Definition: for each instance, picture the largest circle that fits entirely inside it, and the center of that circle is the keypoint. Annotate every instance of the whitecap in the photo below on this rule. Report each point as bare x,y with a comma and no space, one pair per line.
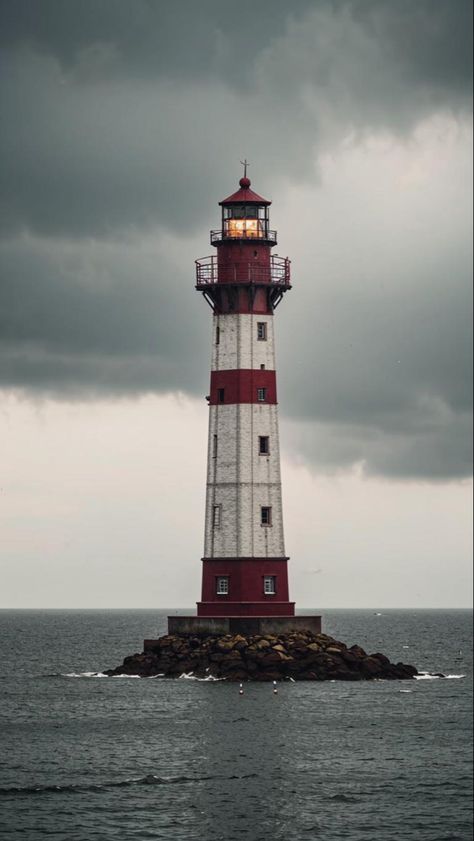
428,676
192,676
126,676
83,674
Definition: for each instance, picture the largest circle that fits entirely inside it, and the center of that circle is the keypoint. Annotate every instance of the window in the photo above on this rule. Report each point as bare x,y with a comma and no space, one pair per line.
263,445
262,331
218,334
269,585
261,395
262,367
222,585
265,515
216,516
221,395
214,446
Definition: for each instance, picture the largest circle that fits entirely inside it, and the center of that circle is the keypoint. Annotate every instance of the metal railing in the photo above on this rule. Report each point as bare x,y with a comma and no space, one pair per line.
219,235
276,272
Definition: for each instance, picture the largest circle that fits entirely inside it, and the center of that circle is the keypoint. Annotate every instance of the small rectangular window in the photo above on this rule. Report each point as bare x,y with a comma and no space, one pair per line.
218,334
222,585
220,395
261,395
216,516
263,445
262,331
269,585
214,446
265,515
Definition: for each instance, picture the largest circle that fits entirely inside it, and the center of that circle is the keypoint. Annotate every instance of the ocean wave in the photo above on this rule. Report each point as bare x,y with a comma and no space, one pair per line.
429,676
148,780
192,676
81,674
101,674
184,676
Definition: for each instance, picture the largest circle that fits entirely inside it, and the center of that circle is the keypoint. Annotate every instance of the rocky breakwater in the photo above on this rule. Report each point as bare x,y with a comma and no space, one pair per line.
297,656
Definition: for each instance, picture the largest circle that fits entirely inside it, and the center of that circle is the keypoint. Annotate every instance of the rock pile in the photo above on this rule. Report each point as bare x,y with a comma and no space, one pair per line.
300,656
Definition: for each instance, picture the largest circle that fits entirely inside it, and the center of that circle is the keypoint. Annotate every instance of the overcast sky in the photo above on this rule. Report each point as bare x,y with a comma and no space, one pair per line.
123,124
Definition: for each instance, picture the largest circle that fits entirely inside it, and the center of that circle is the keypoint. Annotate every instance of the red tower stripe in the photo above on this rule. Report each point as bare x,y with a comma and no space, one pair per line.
243,386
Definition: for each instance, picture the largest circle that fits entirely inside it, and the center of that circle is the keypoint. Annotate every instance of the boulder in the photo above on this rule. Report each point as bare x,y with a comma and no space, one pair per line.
358,651
332,649
225,645
371,667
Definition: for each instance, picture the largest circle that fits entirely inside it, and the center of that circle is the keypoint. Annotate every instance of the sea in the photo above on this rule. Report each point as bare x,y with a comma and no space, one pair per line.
84,756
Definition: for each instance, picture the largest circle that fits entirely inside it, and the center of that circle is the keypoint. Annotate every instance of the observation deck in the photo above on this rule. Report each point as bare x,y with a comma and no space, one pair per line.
276,273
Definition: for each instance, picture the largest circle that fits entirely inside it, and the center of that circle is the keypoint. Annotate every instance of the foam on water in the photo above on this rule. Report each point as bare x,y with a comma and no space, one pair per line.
429,676
101,674
192,676
82,674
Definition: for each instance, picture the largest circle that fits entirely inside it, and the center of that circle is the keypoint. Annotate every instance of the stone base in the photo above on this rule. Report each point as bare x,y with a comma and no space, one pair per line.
245,625
300,655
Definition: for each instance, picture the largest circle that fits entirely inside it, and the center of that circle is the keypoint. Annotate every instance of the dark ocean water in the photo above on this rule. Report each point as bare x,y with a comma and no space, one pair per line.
87,758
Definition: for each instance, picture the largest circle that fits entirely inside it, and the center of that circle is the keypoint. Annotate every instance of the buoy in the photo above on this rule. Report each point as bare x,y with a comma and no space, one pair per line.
241,689
275,690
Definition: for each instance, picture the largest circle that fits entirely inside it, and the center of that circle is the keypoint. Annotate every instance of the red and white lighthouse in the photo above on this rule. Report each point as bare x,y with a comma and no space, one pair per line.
244,568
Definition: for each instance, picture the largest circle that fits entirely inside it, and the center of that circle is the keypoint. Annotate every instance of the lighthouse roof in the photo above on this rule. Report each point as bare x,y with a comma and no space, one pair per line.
245,195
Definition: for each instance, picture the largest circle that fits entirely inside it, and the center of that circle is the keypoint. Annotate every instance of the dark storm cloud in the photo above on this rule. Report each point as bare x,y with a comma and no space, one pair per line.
388,381
122,125
79,319
430,39
125,114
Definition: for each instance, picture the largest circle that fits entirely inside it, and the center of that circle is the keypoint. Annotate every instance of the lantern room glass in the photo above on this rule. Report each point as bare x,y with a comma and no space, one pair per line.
245,221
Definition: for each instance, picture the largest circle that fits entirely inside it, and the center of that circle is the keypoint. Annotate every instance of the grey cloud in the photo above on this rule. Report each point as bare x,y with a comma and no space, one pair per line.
437,448
430,39
78,320
120,125
143,39
122,115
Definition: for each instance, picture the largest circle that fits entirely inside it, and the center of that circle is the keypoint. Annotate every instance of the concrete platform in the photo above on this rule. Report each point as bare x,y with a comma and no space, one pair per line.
245,625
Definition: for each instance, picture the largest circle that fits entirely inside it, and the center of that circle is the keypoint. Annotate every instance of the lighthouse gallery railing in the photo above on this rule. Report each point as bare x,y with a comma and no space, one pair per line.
276,272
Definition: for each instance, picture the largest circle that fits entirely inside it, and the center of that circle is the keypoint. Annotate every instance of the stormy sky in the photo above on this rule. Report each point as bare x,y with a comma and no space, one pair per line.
123,124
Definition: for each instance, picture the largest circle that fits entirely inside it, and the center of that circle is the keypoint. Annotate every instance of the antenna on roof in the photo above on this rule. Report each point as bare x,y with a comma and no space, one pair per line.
245,164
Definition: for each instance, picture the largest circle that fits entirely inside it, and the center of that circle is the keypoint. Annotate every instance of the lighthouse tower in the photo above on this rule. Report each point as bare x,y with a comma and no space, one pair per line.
244,568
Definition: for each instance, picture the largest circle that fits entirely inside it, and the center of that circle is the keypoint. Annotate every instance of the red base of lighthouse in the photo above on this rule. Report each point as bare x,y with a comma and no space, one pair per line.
246,609
246,594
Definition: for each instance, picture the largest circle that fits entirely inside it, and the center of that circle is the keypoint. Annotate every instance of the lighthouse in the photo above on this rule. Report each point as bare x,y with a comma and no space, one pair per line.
244,564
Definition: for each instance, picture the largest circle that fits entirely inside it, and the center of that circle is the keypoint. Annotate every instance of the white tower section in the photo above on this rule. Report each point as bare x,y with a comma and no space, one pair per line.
243,474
